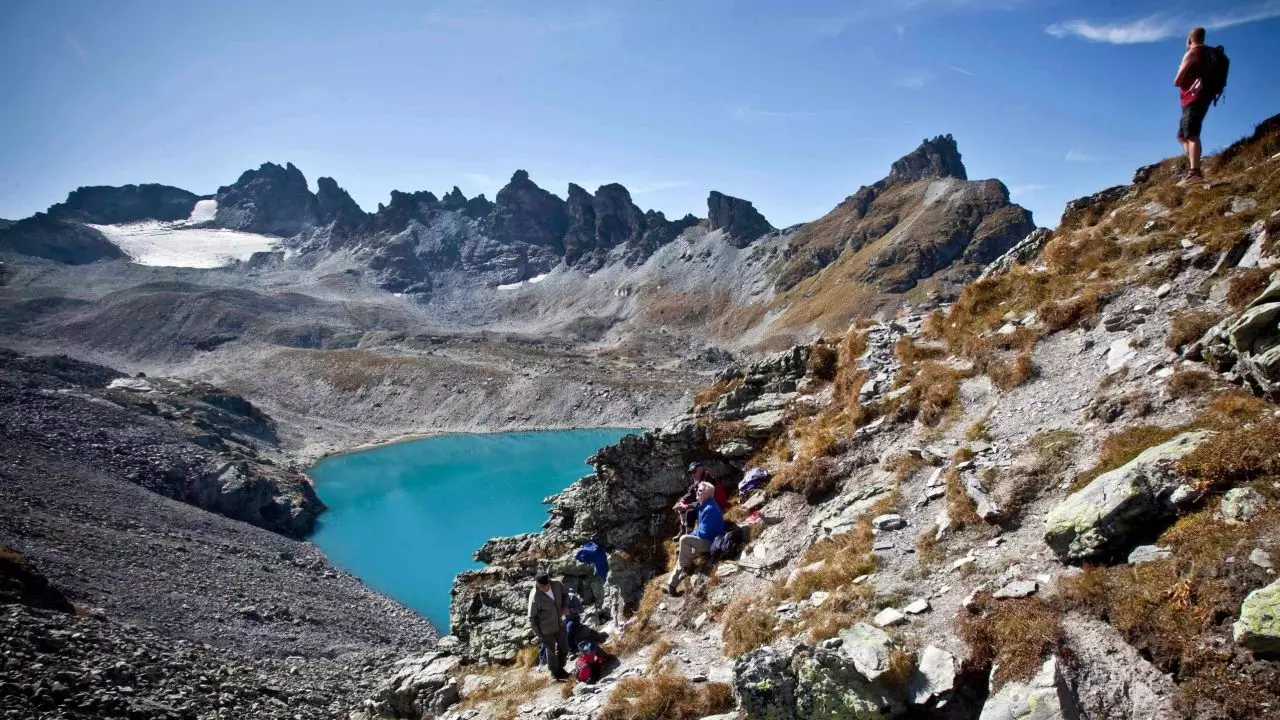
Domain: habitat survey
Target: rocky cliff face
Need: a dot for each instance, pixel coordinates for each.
(271, 200)
(738, 218)
(108, 205)
(61, 241)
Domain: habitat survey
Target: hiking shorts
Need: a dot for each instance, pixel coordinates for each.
(1192, 119)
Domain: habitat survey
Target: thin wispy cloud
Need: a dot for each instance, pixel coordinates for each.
(913, 79)
(960, 70)
(1028, 189)
(1161, 26)
(74, 43)
(658, 186)
(1080, 157)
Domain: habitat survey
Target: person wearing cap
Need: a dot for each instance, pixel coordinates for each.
(710, 526)
(547, 607)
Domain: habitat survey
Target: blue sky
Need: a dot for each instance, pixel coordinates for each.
(792, 105)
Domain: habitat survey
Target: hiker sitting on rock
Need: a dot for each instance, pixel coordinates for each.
(687, 508)
(547, 607)
(710, 526)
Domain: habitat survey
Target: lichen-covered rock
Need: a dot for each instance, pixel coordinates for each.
(1046, 696)
(869, 649)
(1103, 518)
(1248, 343)
(934, 679)
(765, 685)
(1258, 628)
(828, 685)
(1241, 505)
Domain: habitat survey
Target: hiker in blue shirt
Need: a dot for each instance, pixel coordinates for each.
(710, 526)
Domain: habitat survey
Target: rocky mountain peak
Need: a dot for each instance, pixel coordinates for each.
(272, 200)
(737, 217)
(526, 213)
(936, 158)
(108, 205)
(334, 204)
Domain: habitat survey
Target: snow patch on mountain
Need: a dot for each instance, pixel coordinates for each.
(176, 245)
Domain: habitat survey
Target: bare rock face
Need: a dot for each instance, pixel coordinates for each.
(272, 200)
(1024, 252)
(474, 208)
(525, 213)
(61, 241)
(1248, 343)
(599, 224)
(333, 204)
(107, 205)
(738, 218)
(936, 158)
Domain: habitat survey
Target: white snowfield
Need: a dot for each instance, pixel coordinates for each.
(531, 281)
(178, 244)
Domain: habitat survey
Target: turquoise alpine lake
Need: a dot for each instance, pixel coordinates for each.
(405, 518)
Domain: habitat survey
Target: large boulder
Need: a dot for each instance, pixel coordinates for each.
(1258, 628)
(829, 685)
(869, 649)
(1104, 517)
(422, 687)
(1047, 696)
(934, 680)
(765, 685)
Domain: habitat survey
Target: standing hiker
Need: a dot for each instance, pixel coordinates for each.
(710, 526)
(547, 606)
(1201, 78)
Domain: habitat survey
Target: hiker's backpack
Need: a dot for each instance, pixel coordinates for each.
(728, 545)
(590, 665)
(1213, 77)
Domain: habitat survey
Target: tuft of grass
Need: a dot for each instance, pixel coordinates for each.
(1058, 315)
(980, 430)
(960, 508)
(1186, 383)
(750, 625)
(1015, 635)
(666, 696)
(932, 394)
(824, 360)
(1009, 375)
(1189, 326)
(1245, 286)
(928, 553)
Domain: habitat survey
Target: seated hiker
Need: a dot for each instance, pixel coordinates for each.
(687, 508)
(547, 607)
(710, 526)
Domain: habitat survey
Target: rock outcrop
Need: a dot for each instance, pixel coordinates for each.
(1258, 628)
(524, 213)
(738, 218)
(271, 200)
(108, 205)
(773, 683)
(61, 241)
(1047, 696)
(935, 158)
(1108, 514)
(1249, 343)
(1024, 252)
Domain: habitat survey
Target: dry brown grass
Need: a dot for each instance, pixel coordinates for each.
(666, 696)
(960, 508)
(644, 629)
(1008, 375)
(1188, 383)
(1060, 315)
(824, 358)
(1234, 457)
(749, 625)
(1015, 635)
(932, 394)
(928, 553)
(1189, 326)
(1169, 608)
(510, 688)
(1121, 447)
(1245, 286)
(716, 390)
(661, 648)
(722, 431)
(980, 430)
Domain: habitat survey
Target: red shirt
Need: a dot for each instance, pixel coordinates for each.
(1189, 88)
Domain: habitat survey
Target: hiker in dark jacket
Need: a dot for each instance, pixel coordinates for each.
(547, 607)
(1195, 100)
(710, 526)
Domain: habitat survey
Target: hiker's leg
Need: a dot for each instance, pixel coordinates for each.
(562, 648)
(548, 650)
(673, 582)
(1193, 152)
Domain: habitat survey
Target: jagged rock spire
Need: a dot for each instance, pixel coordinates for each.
(936, 158)
(737, 217)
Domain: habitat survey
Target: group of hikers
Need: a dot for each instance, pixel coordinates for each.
(555, 614)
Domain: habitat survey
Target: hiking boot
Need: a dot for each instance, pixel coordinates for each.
(1194, 174)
